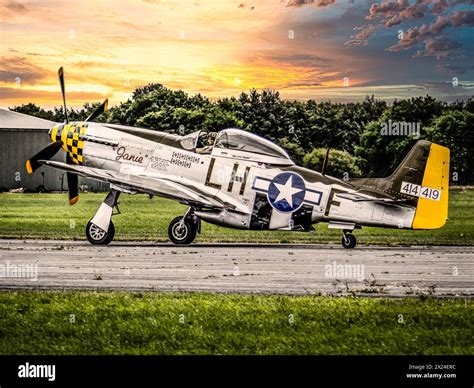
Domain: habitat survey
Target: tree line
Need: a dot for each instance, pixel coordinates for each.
(355, 132)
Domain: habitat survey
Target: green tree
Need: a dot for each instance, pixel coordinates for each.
(299, 126)
(296, 152)
(340, 164)
(455, 130)
(34, 110)
(380, 154)
(217, 119)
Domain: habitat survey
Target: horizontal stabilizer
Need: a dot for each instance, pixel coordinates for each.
(421, 180)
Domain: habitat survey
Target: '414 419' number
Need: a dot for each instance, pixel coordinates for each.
(420, 191)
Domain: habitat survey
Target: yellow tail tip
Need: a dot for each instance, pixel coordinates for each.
(74, 200)
(432, 212)
(29, 169)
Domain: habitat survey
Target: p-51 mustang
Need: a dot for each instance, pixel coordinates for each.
(241, 181)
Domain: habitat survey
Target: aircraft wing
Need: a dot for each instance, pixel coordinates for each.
(143, 184)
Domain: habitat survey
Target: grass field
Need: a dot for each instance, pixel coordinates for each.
(104, 323)
(98, 323)
(49, 216)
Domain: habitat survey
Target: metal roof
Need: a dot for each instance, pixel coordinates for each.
(15, 120)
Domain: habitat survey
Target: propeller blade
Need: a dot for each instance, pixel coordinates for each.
(72, 183)
(101, 109)
(45, 154)
(63, 91)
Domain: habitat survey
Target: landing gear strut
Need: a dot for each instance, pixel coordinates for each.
(182, 230)
(348, 240)
(100, 229)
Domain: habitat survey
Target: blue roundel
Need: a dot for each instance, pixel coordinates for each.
(286, 192)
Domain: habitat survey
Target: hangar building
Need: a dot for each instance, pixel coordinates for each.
(21, 136)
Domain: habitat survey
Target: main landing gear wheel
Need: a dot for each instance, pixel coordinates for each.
(348, 240)
(97, 236)
(182, 230)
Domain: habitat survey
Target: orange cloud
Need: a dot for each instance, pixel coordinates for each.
(214, 47)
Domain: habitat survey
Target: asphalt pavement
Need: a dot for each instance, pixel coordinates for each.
(303, 269)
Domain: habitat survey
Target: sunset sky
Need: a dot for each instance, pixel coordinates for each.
(322, 49)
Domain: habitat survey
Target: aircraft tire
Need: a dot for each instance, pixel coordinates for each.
(97, 236)
(348, 241)
(182, 235)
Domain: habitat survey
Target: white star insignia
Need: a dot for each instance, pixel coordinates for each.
(287, 191)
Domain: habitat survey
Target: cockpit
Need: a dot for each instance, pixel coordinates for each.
(237, 144)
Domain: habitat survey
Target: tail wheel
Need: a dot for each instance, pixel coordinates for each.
(182, 230)
(348, 241)
(98, 236)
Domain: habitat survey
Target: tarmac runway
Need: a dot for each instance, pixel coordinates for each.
(240, 268)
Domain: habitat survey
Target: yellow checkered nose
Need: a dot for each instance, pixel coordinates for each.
(71, 138)
(72, 141)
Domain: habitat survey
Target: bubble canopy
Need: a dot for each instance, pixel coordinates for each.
(239, 144)
(237, 139)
